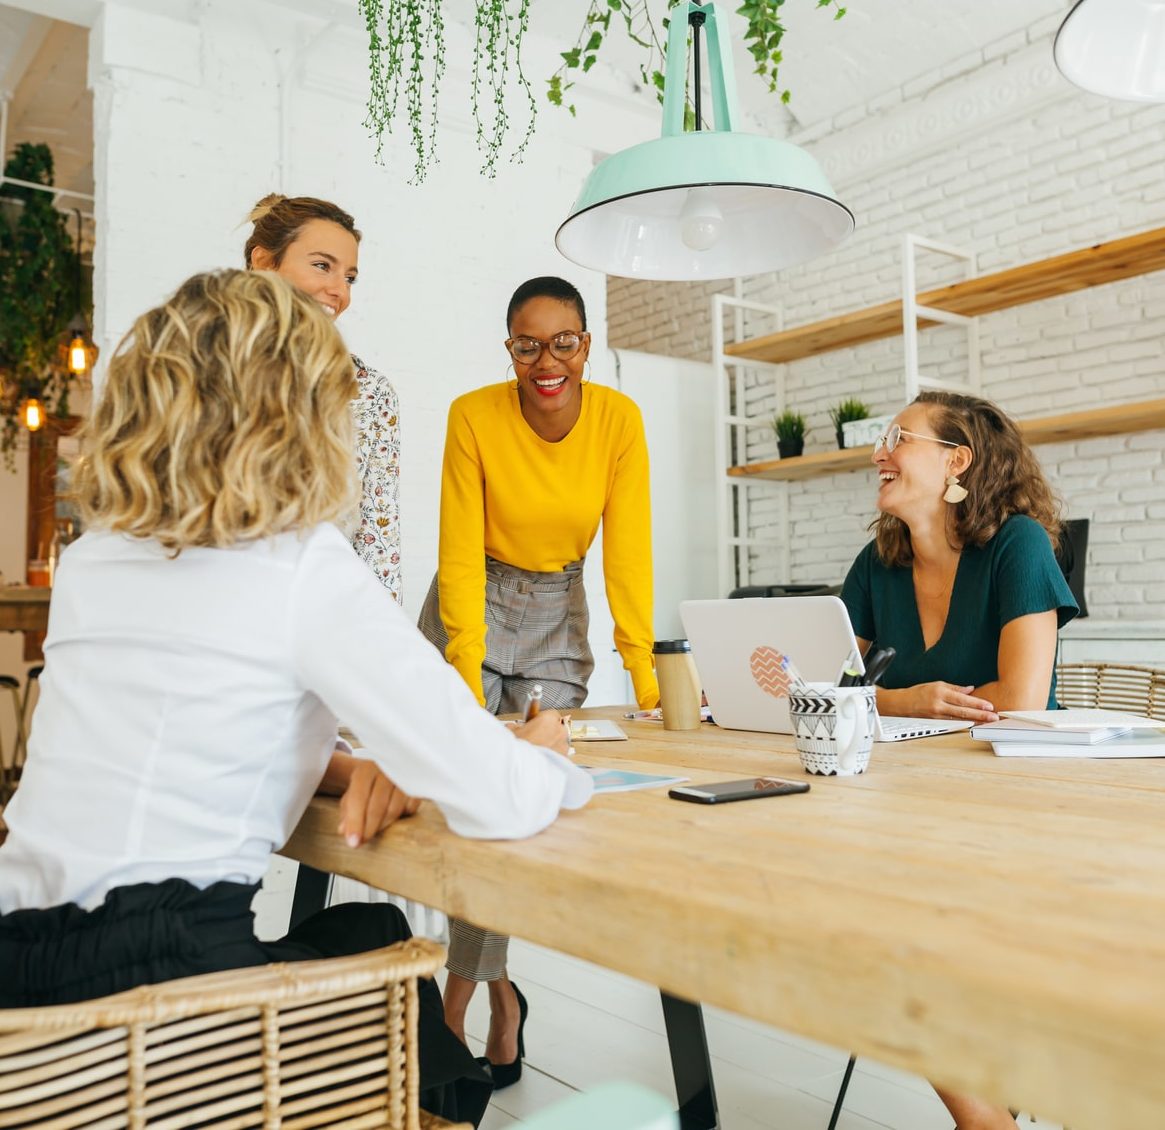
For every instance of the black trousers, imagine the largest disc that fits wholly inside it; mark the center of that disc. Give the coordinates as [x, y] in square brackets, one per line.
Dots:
[153, 932]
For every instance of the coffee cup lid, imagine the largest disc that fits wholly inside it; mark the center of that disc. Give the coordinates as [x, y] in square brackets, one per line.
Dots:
[670, 647]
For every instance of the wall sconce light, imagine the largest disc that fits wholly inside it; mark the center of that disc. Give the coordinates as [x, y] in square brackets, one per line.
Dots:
[78, 346]
[703, 204]
[32, 414]
[78, 331]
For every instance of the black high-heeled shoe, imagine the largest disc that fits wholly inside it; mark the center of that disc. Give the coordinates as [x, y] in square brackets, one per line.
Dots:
[507, 1074]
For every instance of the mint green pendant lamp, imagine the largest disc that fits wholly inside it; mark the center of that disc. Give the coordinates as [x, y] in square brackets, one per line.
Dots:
[703, 204]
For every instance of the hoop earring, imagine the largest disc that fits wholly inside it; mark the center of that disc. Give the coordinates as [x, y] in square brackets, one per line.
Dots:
[954, 493]
[587, 379]
[512, 385]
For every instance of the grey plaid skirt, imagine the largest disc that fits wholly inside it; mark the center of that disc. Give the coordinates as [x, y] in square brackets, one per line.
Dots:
[536, 632]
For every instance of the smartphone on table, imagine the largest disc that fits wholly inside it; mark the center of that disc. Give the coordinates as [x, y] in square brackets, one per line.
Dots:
[720, 792]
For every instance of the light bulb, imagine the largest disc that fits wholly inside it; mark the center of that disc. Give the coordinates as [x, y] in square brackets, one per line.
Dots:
[78, 358]
[701, 220]
[33, 414]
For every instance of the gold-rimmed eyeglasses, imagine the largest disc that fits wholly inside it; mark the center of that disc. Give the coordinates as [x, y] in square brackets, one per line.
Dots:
[563, 346]
[890, 439]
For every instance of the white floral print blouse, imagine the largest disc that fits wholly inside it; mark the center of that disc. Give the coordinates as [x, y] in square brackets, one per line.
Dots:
[377, 538]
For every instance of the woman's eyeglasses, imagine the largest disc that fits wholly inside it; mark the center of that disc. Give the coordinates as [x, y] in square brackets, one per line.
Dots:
[893, 437]
[562, 346]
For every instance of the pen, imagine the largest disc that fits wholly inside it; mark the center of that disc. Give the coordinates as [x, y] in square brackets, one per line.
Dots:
[790, 669]
[851, 671]
[533, 702]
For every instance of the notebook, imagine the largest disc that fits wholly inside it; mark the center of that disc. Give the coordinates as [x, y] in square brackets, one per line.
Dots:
[737, 647]
[1084, 719]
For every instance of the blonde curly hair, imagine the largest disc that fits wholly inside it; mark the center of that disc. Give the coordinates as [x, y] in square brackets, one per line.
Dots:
[224, 417]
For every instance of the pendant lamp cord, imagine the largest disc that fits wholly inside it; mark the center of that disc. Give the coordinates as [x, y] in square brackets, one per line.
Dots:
[696, 22]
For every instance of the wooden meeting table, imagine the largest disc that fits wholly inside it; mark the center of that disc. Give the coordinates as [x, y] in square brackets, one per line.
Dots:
[996, 925]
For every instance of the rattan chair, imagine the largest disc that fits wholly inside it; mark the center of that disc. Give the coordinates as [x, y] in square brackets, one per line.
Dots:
[304, 1044]
[1112, 686]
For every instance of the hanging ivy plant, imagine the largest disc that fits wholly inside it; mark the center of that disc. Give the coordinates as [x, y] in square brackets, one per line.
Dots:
[406, 46]
[763, 34]
[38, 294]
[406, 49]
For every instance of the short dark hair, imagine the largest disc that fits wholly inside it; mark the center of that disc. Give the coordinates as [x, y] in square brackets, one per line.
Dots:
[546, 286]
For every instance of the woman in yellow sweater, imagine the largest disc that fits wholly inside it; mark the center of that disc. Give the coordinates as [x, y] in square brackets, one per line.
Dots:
[531, 468]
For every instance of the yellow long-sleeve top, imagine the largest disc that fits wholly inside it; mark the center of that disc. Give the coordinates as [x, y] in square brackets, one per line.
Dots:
[508, 493]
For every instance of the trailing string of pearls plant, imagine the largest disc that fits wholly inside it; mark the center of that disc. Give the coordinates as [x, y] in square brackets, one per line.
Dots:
[406, 47]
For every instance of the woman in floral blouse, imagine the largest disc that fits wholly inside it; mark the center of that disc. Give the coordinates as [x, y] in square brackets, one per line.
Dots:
[314, 245]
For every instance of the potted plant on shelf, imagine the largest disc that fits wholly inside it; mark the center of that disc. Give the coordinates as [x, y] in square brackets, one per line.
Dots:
[845, 412]
[790, 429]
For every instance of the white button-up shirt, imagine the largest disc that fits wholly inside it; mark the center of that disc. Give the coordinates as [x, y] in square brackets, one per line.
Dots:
[188, 711]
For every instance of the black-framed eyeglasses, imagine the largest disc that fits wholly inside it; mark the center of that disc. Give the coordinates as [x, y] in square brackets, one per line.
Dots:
[563, 346]
[893, 436]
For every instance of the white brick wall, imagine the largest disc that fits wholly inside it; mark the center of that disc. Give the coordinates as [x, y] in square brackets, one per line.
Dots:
[1008, 160]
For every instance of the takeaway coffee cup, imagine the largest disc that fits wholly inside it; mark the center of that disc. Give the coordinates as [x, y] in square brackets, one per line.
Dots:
[679, 685]
[834, 728]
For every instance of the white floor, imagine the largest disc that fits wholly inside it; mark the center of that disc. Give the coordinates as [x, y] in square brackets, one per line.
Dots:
[587, 1025]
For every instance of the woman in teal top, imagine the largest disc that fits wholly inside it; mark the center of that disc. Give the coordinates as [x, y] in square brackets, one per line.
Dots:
[962, 582]
[1013, 574]
[961, 579]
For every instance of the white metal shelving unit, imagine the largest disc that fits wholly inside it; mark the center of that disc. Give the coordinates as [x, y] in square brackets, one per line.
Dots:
[912, 311]
[733, 496]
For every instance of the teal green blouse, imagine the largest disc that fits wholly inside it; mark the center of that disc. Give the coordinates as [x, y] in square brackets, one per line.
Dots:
[1014, 574]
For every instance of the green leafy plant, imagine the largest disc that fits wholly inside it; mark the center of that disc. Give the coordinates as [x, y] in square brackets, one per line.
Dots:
[790, 427]
[763, 35]
[38, 294]
[406, 46]
[843, 413]
[406, 58]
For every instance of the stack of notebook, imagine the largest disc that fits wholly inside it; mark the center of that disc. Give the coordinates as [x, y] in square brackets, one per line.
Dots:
[1073, 733]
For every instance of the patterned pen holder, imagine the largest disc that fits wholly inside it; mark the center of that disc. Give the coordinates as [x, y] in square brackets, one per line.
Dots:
[834, 728]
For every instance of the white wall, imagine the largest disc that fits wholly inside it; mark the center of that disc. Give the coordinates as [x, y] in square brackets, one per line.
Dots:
[999, 154]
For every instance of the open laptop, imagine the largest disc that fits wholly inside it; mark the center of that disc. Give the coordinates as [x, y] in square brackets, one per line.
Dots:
[736, 645]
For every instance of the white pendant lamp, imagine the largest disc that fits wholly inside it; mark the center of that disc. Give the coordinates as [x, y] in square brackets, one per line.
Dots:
[703, 204]
[1115, 48]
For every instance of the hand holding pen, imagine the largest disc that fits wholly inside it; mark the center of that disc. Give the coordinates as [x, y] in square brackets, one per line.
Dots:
[533, 702]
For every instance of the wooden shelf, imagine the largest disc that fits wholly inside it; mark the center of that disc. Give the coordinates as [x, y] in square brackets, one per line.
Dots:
[1115, 419]
[1076, 270]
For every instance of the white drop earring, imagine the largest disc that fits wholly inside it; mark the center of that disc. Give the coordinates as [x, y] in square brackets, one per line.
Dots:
[954, 492]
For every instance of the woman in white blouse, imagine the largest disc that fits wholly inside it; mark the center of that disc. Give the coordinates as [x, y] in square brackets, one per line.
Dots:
[205, 633]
